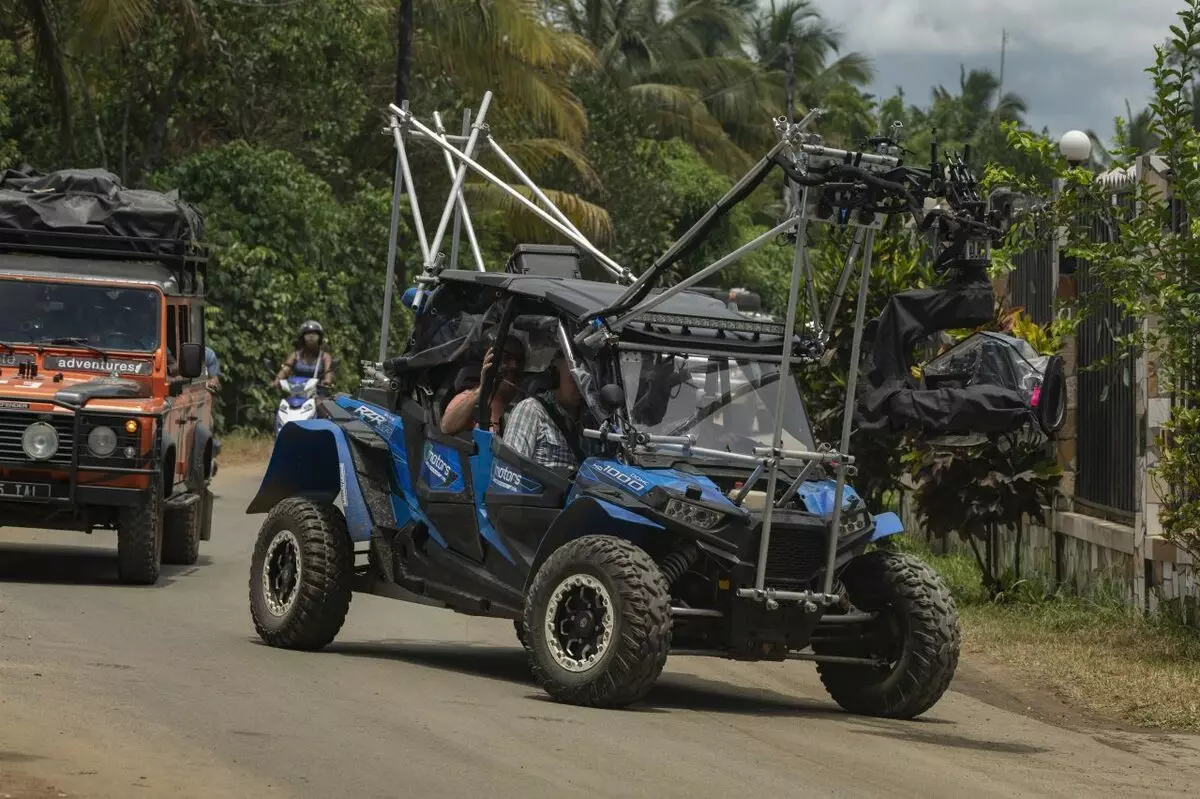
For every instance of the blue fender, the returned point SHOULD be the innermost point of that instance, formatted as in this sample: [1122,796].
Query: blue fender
[311,459]
[587,515]
[887,524]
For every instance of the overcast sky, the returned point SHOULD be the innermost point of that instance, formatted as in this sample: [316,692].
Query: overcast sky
[1074,61]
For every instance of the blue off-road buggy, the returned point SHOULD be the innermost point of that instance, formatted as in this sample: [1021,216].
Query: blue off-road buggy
[632,556]
[702,518]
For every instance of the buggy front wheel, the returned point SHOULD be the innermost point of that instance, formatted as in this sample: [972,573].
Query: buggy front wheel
[915,638]
[598,623]
[300,575]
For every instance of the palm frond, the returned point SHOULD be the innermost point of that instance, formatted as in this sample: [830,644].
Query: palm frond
[521,223]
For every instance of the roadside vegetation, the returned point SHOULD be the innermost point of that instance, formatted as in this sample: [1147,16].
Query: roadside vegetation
[1096,653]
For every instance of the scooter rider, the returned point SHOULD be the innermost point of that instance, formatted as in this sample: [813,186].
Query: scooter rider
[308,360]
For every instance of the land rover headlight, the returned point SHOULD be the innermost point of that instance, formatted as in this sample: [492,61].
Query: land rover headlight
[102,441]
[40,441]
[692,514]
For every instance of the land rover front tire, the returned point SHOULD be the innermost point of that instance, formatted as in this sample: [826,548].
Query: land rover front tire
[139,540]
[181,533]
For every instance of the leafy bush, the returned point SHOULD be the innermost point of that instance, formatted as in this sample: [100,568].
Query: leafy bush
[285,250]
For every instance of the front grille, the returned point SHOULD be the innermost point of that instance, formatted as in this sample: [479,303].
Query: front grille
[794,556]
[12,427]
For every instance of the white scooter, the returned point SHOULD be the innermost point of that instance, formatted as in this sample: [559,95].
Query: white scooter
[300,402]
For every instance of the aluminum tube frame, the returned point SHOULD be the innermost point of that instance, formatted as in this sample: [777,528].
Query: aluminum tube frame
[460,175]
[627,346]
[795,486]
[685,239]
[393,234]
[848,156]
[718,455]
[614,268]
[456,225]
[848,408]
[785,366]
[835,302]
[418,222]
[744,491]
[486,174]
[461,212]
[650,303]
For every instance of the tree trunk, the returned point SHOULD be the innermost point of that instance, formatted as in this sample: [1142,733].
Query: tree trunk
[51,56]
[156,142]
[404,35]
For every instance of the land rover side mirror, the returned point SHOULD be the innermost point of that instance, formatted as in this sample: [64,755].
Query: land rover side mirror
[612,397]
[191,361]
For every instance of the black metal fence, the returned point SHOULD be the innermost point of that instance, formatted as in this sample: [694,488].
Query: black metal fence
[1031,283]
[1106,440]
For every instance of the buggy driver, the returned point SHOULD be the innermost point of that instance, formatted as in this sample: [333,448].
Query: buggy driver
[547,427]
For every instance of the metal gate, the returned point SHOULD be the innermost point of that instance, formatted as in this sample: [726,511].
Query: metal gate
[1031,284]
[1106,412]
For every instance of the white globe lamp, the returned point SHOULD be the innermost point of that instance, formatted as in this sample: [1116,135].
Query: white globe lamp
[1076,146]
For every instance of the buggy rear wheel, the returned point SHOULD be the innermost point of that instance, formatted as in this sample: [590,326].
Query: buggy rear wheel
[300,575]
[598,623]
[915,634]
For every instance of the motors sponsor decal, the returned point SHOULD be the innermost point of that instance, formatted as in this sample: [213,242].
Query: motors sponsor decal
[436,470]
[14,358]
[95,363]
[506,478]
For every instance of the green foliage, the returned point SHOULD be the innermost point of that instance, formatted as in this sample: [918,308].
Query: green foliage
[266,279]
[1150,266]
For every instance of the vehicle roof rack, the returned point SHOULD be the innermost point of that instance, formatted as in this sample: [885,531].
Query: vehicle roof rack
[188,260]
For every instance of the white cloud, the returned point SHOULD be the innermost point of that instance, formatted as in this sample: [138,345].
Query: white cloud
[1074,61]
[1105,28]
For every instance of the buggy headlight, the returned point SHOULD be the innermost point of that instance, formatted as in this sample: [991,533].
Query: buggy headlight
[40,441]
[693,515]
[853,522]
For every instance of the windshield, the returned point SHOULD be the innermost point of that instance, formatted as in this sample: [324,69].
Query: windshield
[73,314]
[725,404]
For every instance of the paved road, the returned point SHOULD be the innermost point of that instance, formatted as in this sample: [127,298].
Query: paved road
[108,691]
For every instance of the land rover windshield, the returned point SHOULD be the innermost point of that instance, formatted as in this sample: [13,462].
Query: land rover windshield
[726,404]
[72,314]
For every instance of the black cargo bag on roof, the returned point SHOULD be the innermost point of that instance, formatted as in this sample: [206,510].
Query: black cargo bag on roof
[93,202]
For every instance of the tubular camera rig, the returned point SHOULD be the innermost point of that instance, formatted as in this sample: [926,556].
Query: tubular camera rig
[829,186]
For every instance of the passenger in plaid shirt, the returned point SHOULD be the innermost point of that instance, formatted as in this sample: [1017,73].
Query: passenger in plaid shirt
[547,428]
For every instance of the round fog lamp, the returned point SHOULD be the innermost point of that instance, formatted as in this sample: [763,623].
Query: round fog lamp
[40,441]
[102,441]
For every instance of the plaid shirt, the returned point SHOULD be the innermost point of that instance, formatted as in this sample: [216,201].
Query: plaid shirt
[531,432]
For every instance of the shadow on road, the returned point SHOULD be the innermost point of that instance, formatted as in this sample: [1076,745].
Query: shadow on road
[672,692]
[74,565]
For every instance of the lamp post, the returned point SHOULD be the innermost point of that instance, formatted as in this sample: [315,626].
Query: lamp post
[1076,147]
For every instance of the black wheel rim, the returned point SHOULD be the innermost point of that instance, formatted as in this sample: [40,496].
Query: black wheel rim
[579,622]
[281,573]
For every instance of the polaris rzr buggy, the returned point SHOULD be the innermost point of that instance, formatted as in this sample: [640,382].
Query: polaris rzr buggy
[702,519]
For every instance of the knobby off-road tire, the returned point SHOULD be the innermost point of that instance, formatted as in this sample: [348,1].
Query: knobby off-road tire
[522,638]
[206,514]
[915,605]
[140,540]
[305,610]
[623,669]
[181,534]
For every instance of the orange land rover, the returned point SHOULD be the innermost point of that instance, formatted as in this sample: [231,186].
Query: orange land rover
[105,420]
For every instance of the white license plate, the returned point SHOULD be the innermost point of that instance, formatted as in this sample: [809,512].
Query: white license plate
[24,490]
